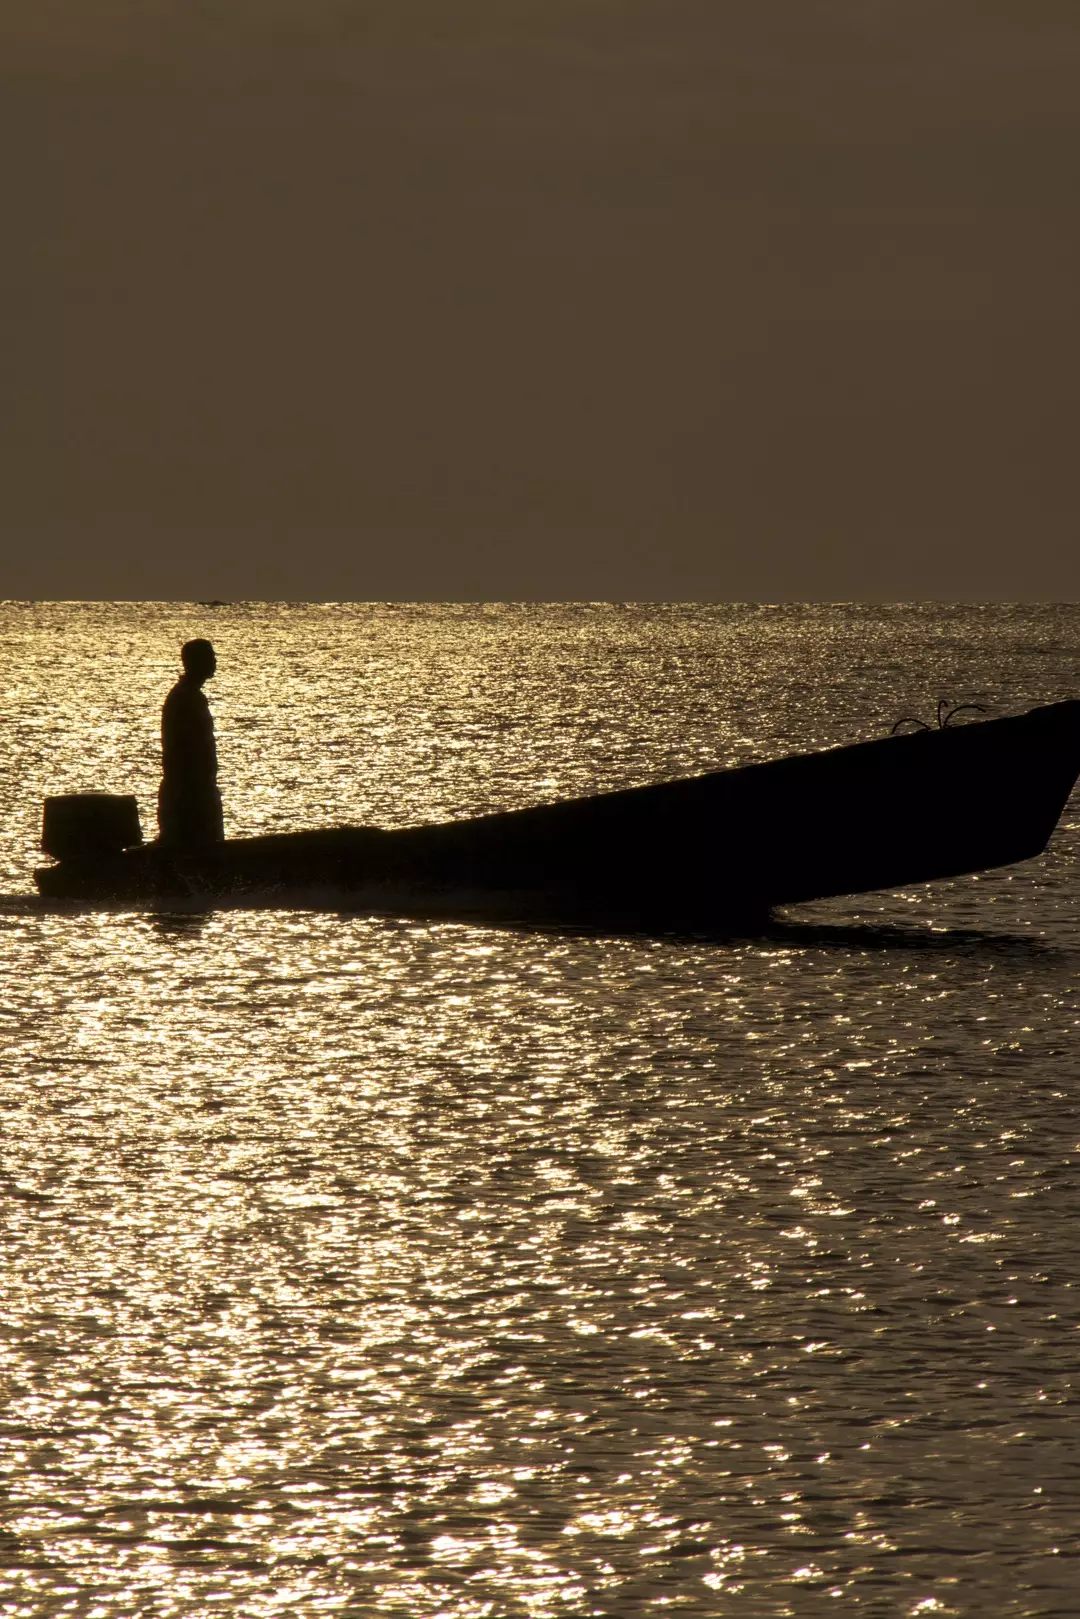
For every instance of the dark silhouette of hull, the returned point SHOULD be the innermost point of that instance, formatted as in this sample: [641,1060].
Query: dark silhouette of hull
[707,850]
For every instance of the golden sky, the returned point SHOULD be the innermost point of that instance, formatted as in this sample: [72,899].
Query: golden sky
[717,298]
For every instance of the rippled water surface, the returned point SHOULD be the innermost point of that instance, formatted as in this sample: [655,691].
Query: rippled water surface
[357,1266]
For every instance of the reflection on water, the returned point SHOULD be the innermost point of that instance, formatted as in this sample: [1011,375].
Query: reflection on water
[366,1266]
[895,936]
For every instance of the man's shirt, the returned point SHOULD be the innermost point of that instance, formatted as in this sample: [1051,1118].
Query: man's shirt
[188,750]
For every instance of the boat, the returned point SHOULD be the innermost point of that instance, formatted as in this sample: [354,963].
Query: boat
[708,851]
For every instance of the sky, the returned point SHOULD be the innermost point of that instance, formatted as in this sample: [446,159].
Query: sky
[490,299]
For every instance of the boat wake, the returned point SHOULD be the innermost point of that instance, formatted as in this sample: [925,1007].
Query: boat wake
[789,932]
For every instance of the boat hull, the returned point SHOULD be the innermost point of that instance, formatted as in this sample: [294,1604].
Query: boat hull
[708,849]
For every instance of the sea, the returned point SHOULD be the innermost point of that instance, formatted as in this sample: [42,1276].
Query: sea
[359,1265]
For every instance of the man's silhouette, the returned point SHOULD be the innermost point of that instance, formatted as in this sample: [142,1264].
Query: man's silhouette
[189,804]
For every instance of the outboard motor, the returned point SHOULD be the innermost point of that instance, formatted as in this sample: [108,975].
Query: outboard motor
[82,828]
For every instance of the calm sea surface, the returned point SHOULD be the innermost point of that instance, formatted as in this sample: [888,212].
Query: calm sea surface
[357,1266]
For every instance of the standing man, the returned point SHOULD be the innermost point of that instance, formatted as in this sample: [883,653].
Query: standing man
[189,804]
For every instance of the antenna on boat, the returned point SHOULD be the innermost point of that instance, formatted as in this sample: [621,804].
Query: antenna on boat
[945,716]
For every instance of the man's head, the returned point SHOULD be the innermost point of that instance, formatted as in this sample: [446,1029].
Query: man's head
[198,660]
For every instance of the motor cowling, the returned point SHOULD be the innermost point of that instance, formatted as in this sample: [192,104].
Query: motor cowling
[83,827]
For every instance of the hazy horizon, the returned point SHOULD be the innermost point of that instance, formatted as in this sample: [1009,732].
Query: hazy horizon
[325,299]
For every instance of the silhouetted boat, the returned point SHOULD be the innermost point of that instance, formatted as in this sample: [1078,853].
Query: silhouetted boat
[705,851]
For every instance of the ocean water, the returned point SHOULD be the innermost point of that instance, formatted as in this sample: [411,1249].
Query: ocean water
[353,1265]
